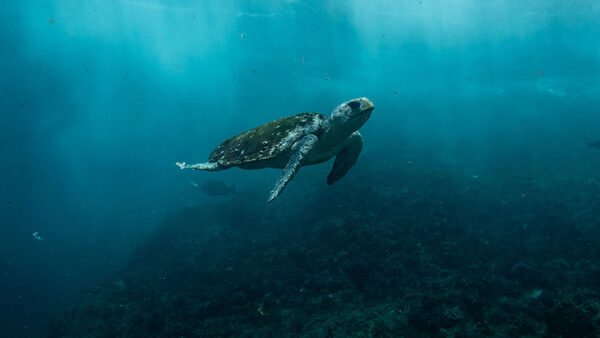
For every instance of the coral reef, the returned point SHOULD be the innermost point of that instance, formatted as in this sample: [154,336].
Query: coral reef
[396,250]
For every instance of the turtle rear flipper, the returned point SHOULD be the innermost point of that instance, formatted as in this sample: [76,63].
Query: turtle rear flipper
[304,146]
[346,158]
[208,166]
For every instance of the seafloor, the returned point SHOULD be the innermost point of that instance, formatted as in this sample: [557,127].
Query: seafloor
[402,248]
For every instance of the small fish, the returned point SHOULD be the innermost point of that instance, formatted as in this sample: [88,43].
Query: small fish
[217,188]
[37,236]
[594,144]
[194,184]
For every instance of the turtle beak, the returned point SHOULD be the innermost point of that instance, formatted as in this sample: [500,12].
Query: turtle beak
[366,105]
[364,112]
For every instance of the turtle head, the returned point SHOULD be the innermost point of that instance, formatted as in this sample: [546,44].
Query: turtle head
[349,116]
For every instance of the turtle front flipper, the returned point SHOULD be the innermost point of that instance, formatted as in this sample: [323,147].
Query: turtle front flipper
[346,158]
[208,166]
[299,153]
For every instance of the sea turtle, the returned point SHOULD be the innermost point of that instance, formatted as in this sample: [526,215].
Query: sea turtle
[295,141]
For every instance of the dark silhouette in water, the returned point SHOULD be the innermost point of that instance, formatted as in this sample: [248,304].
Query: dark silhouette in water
[217,188]
[594,144]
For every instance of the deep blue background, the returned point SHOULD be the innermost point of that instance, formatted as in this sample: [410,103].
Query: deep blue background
[100,98]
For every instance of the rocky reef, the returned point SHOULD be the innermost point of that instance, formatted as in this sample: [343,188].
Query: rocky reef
[402,249]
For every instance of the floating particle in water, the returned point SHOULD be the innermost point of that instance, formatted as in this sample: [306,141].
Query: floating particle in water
[396,92]
[535,294]
[453,313]
[50,21]
[254,71]
[539,72]
[593,181]
[37,236]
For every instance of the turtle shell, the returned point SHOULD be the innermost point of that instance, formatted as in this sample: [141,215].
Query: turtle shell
[266,141]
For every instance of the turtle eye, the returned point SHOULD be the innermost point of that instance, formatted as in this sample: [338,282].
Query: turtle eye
[354,104]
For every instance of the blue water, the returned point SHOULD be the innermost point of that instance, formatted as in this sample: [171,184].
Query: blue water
[100,99]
